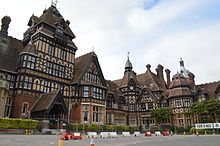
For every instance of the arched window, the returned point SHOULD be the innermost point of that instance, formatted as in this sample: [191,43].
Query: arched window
[36,85]
[25,106]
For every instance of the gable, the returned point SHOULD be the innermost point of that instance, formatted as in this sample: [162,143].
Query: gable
[93,74]
[47,101]
[147,96]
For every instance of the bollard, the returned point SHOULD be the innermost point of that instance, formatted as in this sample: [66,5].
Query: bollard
[26,132]
[60,143]
[92,142]
[184,133]
[197,133]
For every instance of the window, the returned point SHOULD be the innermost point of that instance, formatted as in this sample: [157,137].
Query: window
[180,120]
[49,67]
[97,114]
[25,108]
[132,121]
[120,103]
[63,54]
[131,107]
[97,93]
[92,78]
[27,82]
[47,86]
[85,91]
[188,120]
[85,113]
[11,79]
[8,106]
[51,50]
[178,103]
[55,69]
[109,102]
[150,106]
[187,102]
[28,61]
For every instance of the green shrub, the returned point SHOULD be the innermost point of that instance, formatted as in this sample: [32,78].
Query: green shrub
[11,123]
[108,128]
[92,127]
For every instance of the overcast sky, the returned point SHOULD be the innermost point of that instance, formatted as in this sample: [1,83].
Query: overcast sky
[153,31]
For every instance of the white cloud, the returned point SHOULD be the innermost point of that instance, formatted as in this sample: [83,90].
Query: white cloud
[115,27]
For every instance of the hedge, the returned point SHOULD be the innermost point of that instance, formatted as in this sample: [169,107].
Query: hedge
[94,127]
[11,123]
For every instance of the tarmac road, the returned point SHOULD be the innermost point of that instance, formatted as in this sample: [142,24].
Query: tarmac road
[52,140]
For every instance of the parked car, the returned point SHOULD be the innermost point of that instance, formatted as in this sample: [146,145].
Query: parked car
[165,133]
[148,134]
[64,136]
[75,135]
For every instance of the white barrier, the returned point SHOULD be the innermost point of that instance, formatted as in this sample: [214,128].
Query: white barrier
[157,133]
[76,134]
[104,134]
[113,134]
[126,134]
[137,134]
[94,134]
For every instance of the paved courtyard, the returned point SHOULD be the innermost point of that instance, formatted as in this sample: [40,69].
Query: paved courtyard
[52,140]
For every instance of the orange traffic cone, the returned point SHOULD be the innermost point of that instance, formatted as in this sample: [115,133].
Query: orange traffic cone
[92,142]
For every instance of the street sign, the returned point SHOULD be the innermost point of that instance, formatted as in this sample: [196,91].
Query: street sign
[208,126]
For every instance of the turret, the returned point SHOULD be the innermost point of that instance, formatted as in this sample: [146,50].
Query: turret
[128,65]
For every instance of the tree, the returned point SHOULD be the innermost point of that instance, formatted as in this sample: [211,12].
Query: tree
[161,114]
[209,107]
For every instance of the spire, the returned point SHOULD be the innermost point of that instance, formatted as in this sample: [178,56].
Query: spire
[183,70]
[181,62]
[128,65]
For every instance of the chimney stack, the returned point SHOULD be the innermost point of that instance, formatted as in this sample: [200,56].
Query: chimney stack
[5,24]
[159,70]
[148,67]
[191,80]
[168,77]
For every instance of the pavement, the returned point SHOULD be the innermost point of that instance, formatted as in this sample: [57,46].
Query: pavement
[52,140]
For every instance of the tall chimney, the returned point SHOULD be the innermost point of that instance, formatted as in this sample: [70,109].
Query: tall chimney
[5,24]
[168,77]
[159,70]
[192,80]
[148,67]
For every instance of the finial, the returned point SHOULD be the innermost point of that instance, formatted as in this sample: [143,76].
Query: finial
[93,49]
[181,62]
[54,3]
[128,55]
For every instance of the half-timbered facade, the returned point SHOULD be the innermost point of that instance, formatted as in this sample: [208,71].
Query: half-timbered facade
[41,78]
[89,91]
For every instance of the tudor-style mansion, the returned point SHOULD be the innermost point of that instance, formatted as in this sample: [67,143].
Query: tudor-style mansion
[40,78]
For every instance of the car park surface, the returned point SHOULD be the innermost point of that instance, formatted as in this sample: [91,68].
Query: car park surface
[52,140]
